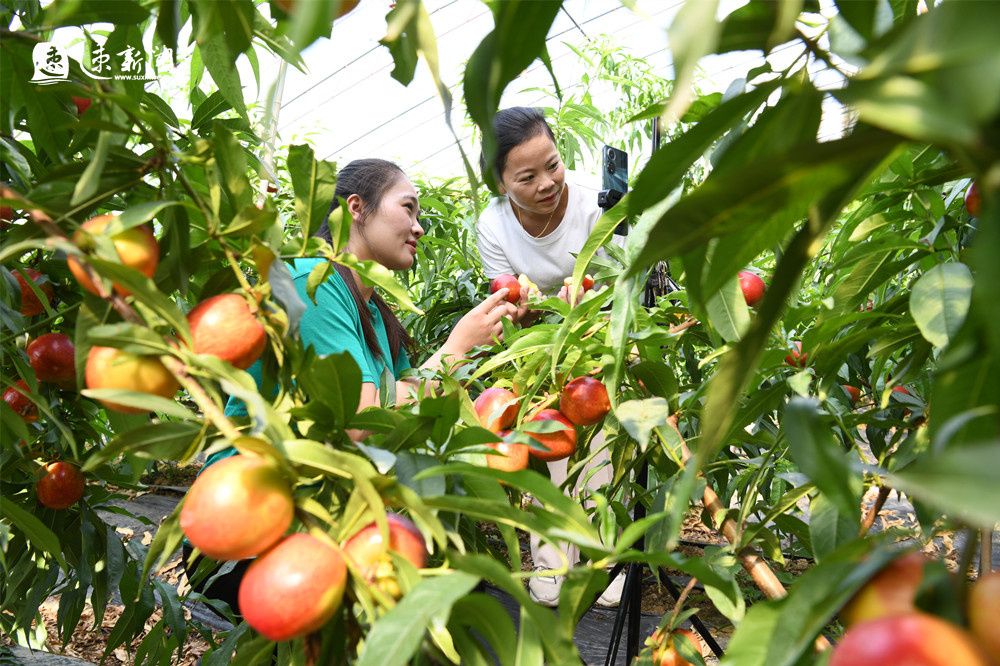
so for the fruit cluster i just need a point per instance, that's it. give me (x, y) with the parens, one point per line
(522, 283)
(885, 626)
(583, 401)
(224, 326)
(242, 507)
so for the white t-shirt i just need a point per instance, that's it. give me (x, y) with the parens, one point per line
(506, 247)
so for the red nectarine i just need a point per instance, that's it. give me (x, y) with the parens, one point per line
(61, 487)
(560, 443)
(237, 508)
(914, 639)
(294, 588)
(584, 401)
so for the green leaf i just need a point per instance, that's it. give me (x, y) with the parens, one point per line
(865, 17)
(815, 450)
(232, 166)
(146, 293)
(658, 378)
(938, 80)
(157, 441)
(251, 221)
(641, 417)
(132, 338)
(314, 182)
(87, 186)
(309, 22)
(232, 20)
(213, 105)
(141, 213)
(402, 39)
(335, 382)
(779, 186)
(693, 34)
(33, 529)
(668, 165)
(168, 24)
(728, 311)
(489, 619)
(123, 12)
(558, 645)
(517, 39)
(373, 273)
(143, 401)
(755, 26)
(736, 368)
(284, 292)
(219, 64)
(397, 635)
(829, 528)
(963, 481)
(939, 301)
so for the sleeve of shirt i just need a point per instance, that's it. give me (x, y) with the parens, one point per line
(333, 326)
(402, 363)
(495, 260)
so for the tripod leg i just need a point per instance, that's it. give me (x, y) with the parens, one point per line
(633, 645)
(631, 581)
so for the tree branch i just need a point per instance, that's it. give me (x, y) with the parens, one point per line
(761, 574)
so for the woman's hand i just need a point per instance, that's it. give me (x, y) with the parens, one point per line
(564, 294)
(522, 309)
(481, 325)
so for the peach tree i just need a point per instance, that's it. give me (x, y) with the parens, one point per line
(872, 265)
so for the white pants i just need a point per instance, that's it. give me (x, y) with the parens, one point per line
(596, 473)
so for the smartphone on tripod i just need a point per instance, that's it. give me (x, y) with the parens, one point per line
(614, 181)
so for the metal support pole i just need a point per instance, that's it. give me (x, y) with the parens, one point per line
(985, 552)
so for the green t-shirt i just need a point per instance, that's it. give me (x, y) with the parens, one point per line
(331, 325)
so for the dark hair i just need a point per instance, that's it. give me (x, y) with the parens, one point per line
(513, 127)
(370, 179)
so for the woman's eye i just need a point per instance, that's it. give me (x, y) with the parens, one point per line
(553, 166)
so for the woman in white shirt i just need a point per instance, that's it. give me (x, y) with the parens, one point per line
(537, 226)
(540, 222)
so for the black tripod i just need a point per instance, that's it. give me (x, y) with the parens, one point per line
(658, 283)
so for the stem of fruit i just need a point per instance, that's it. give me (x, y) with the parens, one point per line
(753, 564)
(681, 598)
(872, 515)
(208, 407)
(683, 326)
(239, 271)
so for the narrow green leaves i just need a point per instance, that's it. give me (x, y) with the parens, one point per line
(397, 635)
(963, 481)
(815, 450)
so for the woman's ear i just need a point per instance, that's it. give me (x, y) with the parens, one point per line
(355, 206)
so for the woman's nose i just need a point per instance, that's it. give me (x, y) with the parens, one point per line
(418, 230)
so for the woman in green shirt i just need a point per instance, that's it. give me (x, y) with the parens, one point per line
(350, 316)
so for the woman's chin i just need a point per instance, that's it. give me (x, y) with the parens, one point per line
(403, 263)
